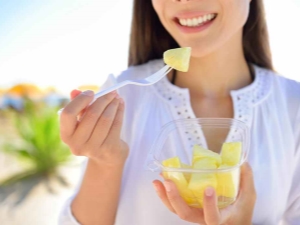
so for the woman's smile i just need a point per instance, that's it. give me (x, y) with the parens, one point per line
(191, 22)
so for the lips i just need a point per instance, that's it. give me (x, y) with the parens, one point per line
(195, 21)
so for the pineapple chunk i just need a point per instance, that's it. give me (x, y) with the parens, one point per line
(200, 181)
(187, 175)
(186, 166)
(231, 153)
(228, 182)
(188, 197)
(172, 162)
(200, 153)
(178, 58)
(178, 178)
(205, 163)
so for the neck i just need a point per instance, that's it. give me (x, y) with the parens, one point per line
(216, 74)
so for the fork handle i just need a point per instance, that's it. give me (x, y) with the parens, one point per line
(110, 89)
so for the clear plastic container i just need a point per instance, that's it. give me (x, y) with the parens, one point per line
(176, 141)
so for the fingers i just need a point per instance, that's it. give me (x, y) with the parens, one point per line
(91, 116)
(116, 127)
(247, 196)
(177, 202)
(210, 207)
(105, 121)
(69, 115)
(161, 192)
(247, 186)
(74, 93)
(211, 213)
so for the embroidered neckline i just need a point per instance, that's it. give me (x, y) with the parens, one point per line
(244, 99)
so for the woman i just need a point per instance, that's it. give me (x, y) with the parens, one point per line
(230, 76)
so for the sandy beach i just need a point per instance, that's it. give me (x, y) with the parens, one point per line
(37, 201)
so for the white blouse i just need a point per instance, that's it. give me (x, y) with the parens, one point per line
(270, 106)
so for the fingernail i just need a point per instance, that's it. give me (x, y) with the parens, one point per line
(88, 93)
(209, 191)
(121, 100)
(167, 186)
(118, 97)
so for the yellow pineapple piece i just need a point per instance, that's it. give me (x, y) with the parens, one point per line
(200, 153)
(186, 166)
(178, 58)
(178, 178)
(188, 196)
(187, 175)
(175, 176)
(205, 163)
(228, 182)
(200, 181)
(172, 162)
(231, 153)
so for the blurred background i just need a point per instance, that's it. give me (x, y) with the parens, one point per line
(48, 48)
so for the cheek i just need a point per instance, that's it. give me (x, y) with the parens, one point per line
(157, 5)
(235, 14)
(154, 3)
(160, 7)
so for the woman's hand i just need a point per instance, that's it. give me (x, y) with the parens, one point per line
(94, 130)
(238, 213)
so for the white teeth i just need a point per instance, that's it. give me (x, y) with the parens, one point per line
(183, 22)
(192, 22)
(195, 22)
(200, 20)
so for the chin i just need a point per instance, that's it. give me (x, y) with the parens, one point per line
(199, 51)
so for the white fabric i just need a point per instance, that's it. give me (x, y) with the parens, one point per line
(270, 106)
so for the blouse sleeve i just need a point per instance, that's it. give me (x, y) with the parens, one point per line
(66, 217)
(292, 213)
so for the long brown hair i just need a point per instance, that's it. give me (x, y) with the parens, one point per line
(149, 39)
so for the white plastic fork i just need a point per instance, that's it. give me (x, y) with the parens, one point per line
(152, 79)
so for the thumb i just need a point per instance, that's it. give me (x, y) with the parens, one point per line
(74, 93)
(247, 186)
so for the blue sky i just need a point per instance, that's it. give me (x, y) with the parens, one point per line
(63, 43)
(67, 43)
